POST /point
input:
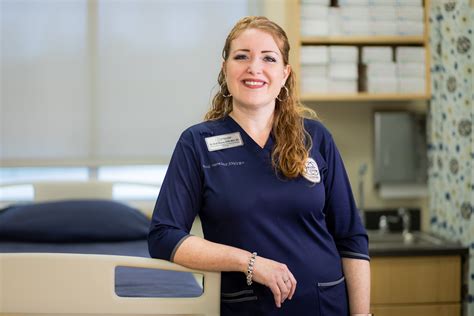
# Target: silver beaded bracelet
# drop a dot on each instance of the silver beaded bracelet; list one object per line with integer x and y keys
{"x": 250, "y": 268}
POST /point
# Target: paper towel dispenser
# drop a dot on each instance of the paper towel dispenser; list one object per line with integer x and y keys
{"x": 400, "y": 148}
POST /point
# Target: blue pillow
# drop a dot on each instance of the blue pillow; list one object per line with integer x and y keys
{"x": 72, "y": 221}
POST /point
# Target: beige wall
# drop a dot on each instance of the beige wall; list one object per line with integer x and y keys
{"x": 352, "y": 127}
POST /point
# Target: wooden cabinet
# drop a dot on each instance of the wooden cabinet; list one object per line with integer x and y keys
{"x": 418, "y": 286}
{"x": 293, "y": 28}
{"x": 418, "y": 310}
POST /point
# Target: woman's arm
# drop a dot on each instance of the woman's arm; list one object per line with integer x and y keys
{"x": 198, "y": 253}
{"x": 357, "y": 273}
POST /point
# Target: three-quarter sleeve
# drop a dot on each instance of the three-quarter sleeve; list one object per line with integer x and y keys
{"x": 342, "y": 216}
{"x": 178, "y": 202}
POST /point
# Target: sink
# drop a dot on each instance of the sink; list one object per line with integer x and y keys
{"x": 415, "y": 238}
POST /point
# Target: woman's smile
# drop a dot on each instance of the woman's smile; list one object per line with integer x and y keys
{"x": 254, "y": 83}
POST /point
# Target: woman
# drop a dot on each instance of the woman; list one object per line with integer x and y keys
{"x": 270, "y": 188}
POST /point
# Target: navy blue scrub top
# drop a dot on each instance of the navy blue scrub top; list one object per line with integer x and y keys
{"x": 243, "y": 203}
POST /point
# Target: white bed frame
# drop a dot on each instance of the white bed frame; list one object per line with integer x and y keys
{"x": 80, "y": 284}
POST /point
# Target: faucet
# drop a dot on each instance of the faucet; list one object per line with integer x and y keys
{"x": 406, "y": 221}
{"x": 362, "y": 172}
{"x": 384, "y": 221}
{"x": 383, "y": 225}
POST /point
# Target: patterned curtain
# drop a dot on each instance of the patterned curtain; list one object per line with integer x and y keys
{"x": 450, "y": 125}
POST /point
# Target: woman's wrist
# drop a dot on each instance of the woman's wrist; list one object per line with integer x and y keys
{"x": 243, "y": 260}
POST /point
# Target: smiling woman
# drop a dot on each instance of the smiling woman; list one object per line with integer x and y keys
{"x": 255, "y": 71}
{"x": 271, "y": 190}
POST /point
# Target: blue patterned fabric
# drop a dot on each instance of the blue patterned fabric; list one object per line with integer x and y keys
{"x": 451, "y": 140}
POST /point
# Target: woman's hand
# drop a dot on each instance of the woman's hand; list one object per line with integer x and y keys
{"x": 277, "y": 277}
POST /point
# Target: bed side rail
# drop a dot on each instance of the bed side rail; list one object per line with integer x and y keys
{"x": 62, "y": 284}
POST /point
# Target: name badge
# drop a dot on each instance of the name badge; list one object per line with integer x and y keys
{"x": 311, "y": 171}
{"x": 224, "y": 141}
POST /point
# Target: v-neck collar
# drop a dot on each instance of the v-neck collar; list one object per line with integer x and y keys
{"x": 248, "y": 139}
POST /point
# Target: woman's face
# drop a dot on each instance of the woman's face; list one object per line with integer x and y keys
{"x": 255, "y": 72}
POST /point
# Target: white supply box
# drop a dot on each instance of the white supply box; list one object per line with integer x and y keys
{"x": 314, "y": 11}
{"x": 314, "y": 27}
{"x": 411, "y": 85}
{"x": 410, "y": 28}
{"x": 383, "y": 28}
{"x": 314, "y": 85}
{"x": 354, "y": 27}
{"x": 314, "y": 55}
{"x": 343, "y": 54}
{"x": 382, "y": 85}
{"x": 342, "y": 86}
{"x": 356, "y": 13}
{"x": 388, "y": 69}
{"x": 383, "y": 13}
{"x": 410, "y": 13}
{"x": 411, "y": 70}
{"x": 408, "y": 2}
{"x": 317, "y": 71}
{"x": 383, "y": 2}
{"x": 374, "y": 54}
{"x": 320, "y": 2}
{"x": 410, "y": 54}
{"x": 343, "y": 71}
{"x": 353, "y": 2}
{"x": 334, "y": 19}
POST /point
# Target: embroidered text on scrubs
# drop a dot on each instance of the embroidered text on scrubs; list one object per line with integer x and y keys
{"x": 225, "y": 164}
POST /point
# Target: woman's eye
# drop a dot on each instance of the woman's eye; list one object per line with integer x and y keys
{"x": 270, "y": 59}
{"x": 238, "y": 57}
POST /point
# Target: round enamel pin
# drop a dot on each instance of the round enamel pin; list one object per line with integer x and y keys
{"x": 311, "y": 171}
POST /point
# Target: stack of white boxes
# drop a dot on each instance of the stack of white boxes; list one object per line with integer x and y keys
{"x": 380, "y": 17}
{"x": 410, "y": 18}
{"x": 343, "y": 72}
{"x": 315, "y": 17}
{"x": 335, "y": 21}
{"x": 405, "y": 75}
{"x": 314, "y": 69}
{"x": 411, "y": 69}
{"x": 327, "y": 69}
{"x": 354, "y": 19}
{"x": 381, "y": 71}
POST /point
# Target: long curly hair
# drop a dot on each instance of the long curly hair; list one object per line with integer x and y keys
{"x": 292, "y": 142}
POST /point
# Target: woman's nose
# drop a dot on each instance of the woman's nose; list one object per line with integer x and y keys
{"x": 255, "y": 67}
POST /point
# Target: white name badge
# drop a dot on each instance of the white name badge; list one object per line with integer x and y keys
{"x": 224, "y": 141}
{"x": 311, "y": 171}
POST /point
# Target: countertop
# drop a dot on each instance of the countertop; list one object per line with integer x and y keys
{"x": 418, "y": 244}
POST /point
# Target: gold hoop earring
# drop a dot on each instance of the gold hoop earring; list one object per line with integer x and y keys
{"x": 287, "y": 94}
{"x": 224, "y": 95}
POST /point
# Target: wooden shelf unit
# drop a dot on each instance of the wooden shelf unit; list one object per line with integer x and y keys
{"x": 362, "y": 40}
{"x": 363, "y": 96}
{"x": 292, "y": 10}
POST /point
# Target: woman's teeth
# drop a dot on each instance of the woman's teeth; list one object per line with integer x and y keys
{"x": 254, "y": 83}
